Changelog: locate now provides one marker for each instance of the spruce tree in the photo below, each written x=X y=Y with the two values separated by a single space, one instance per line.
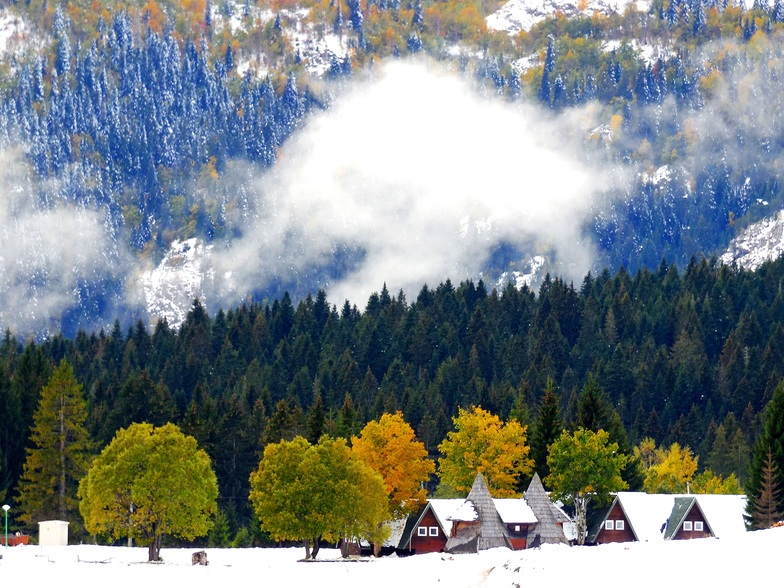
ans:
x=771 y=441
x=766 y=509
x=546 y=429
x=60 y=453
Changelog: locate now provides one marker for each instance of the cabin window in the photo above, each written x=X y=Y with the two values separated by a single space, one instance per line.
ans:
x=434 y=531
x=687 y=525
x=619 y=525
x=422 y=532
x=698 y=525
x=609 y=525
x=517 y=528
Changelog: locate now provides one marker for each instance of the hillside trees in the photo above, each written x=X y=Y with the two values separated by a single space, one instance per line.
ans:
x=304 y=492
x=147 y=483
x=482 y=442
x=60 y=453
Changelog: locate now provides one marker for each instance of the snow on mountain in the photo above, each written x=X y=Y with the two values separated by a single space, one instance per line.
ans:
x=170 y=288
x=521 y=15
x=757 y=244
x=529 y=276
x=15 y=35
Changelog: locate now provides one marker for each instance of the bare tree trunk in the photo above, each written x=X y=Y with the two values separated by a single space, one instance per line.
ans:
x=307 y=548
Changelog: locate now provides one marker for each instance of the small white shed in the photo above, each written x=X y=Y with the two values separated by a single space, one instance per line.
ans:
x=53 y=533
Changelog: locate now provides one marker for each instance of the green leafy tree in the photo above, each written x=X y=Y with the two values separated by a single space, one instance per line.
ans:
x=584 y=467
x=482 y=442
x=60 y=453
x=147 y=483
x=304 y=492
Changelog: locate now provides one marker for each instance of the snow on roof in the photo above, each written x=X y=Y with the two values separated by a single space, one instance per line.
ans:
x=443 y=508
x=724 y=513
x=465 y=512
x=511 y=510
x=648 y=513
x=514 y=510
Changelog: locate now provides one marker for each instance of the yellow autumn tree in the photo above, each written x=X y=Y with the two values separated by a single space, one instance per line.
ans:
x=482 y=442
x=707 y=482
x=672 y=472
x=389 y=446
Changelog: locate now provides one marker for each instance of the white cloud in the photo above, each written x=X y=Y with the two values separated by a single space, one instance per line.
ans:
x=400 y=168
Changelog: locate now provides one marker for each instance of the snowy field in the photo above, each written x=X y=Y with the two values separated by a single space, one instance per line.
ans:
x=748 y=560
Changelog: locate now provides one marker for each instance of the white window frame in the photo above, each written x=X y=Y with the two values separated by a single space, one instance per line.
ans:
x=517 y=528
x=698 y=526
x=620 y=525
x=687 y=525
x=609 y=525
x=421 y=531
x=433 y=531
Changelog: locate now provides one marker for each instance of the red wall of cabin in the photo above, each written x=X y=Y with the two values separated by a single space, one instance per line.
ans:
x=615 y=536
x=694 y=515
x=428 y=544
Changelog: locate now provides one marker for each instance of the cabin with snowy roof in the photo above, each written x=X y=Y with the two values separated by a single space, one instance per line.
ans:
x=460 y=525
x=427 y=530
x=637 y=516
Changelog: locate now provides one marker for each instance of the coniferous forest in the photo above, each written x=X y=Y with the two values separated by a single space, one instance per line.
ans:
x=691 y=357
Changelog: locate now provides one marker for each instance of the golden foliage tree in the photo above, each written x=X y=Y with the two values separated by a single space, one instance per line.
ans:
x=672 y=472
x=708 y=482
x=60 y=454
x=391 y=448
x=482 y=442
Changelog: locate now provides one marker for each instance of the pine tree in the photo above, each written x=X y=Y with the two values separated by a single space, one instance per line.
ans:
x=546 y=429
x=549 y=66
x=60 y=453
x=766 y=508
x=771 y=441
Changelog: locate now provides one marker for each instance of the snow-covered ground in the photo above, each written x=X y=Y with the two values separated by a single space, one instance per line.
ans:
x=749 y=560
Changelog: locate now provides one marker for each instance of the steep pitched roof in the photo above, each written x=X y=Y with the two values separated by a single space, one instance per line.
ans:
x=681 y=507
x=548 y=530
x=654 y=517
x=486 y=530
x=442 y=509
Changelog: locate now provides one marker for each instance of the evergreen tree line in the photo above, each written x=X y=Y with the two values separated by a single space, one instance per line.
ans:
x=689 y=357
